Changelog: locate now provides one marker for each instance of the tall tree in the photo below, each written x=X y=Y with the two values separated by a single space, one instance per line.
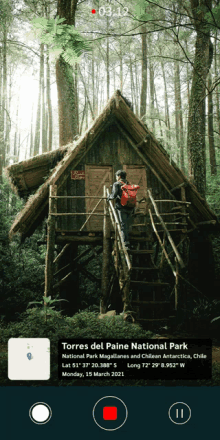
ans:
x=196 y=120
x=49 y=105
x=212 y=157
x=39 y=107
x=143 y=72
x=65 y=81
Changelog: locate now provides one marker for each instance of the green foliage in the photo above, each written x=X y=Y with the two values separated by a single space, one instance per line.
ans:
x=5 y=12
x=213 y=18
x=206 y=310
x=46 y=306
x=213 y=193
x=21 y=266
x=62 y=39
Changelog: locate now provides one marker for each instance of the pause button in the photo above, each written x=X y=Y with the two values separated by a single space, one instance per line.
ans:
x=179 y=413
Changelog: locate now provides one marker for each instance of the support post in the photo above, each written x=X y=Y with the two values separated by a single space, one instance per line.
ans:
x=49 y=266
x=126 y=295
x=106 y=256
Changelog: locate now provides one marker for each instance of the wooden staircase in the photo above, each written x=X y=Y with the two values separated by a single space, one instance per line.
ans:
x=144 y=294
x=148 y=292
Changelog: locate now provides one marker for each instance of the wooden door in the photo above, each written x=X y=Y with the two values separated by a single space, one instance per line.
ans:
x=95 y=178
x=136 y=175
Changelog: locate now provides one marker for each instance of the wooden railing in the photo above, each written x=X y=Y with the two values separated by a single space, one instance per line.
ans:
x=122 y=260
x=166 y=231
x=178 y=259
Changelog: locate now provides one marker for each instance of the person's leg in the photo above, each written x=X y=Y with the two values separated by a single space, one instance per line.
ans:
x=126 y=229
x=128 y=222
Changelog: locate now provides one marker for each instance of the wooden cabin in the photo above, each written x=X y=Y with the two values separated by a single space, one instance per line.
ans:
x=70 y=185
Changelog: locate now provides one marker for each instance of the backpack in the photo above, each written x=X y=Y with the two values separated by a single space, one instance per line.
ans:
x=128 y=197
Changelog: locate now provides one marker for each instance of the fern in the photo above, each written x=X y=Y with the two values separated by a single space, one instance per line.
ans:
x=62 y=39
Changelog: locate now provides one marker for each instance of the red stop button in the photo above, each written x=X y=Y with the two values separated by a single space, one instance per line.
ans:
x=110 y=413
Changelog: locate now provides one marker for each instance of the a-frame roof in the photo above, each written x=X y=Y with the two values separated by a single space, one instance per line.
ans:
x=146 y=146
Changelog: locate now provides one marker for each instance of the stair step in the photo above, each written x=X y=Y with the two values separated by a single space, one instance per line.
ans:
x=145 y=251
x=150 y=302
x=138 y=224
x=144 y=268
x=150 y=283
x=152 y=319
x=136 y=238
x=172 y=230
x=144 y=239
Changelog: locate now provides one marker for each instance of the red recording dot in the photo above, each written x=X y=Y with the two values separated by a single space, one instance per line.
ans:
x=93 y=11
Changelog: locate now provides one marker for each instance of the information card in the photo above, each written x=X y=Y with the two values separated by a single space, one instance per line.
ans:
x=135 y=359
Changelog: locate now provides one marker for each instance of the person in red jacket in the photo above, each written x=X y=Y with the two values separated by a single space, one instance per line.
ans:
x=124 y=212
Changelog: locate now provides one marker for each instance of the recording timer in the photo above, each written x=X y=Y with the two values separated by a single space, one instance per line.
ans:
x=108 y=11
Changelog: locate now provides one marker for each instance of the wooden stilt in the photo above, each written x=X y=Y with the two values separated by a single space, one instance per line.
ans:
x=50 y=242
x=106 y=257
x=126 y=295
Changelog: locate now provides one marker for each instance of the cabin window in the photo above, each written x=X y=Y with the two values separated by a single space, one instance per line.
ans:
x=95 y=178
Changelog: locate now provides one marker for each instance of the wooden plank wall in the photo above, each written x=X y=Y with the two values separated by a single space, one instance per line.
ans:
x=110 y=150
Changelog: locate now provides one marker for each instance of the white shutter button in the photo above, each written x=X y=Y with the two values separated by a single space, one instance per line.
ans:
x=40 y=413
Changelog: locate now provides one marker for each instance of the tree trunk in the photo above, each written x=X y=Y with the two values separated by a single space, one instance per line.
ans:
x=210 y=129
x=49 y=105
x=152 y=113
x=1 y=122
x=167 y=116
x=76 y=97
x=44 y=123
x=65 y=82
x=152 y=88
x=217 y=87
x=196 y=120
x=31 y=134
x=38 y=117
x=143 y=106
x=15 y=152
x=137 y=87
x=158 y=112
x=178 y=101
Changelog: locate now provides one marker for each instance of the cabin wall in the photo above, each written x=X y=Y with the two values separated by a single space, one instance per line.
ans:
x=111 y=149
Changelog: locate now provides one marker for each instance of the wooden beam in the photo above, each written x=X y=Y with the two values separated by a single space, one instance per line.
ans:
x=183 y=184
x=210 y=222
x=75 y=213
x=88 y=274
x=62 y=281
x=96 y=206
x=82 y=239
x=61 y=253
x=106 y=257
x=49 y=266
x=115 y=220
x=162 y=245
x=167 y=232
x=176 y=201
x=77 y=197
